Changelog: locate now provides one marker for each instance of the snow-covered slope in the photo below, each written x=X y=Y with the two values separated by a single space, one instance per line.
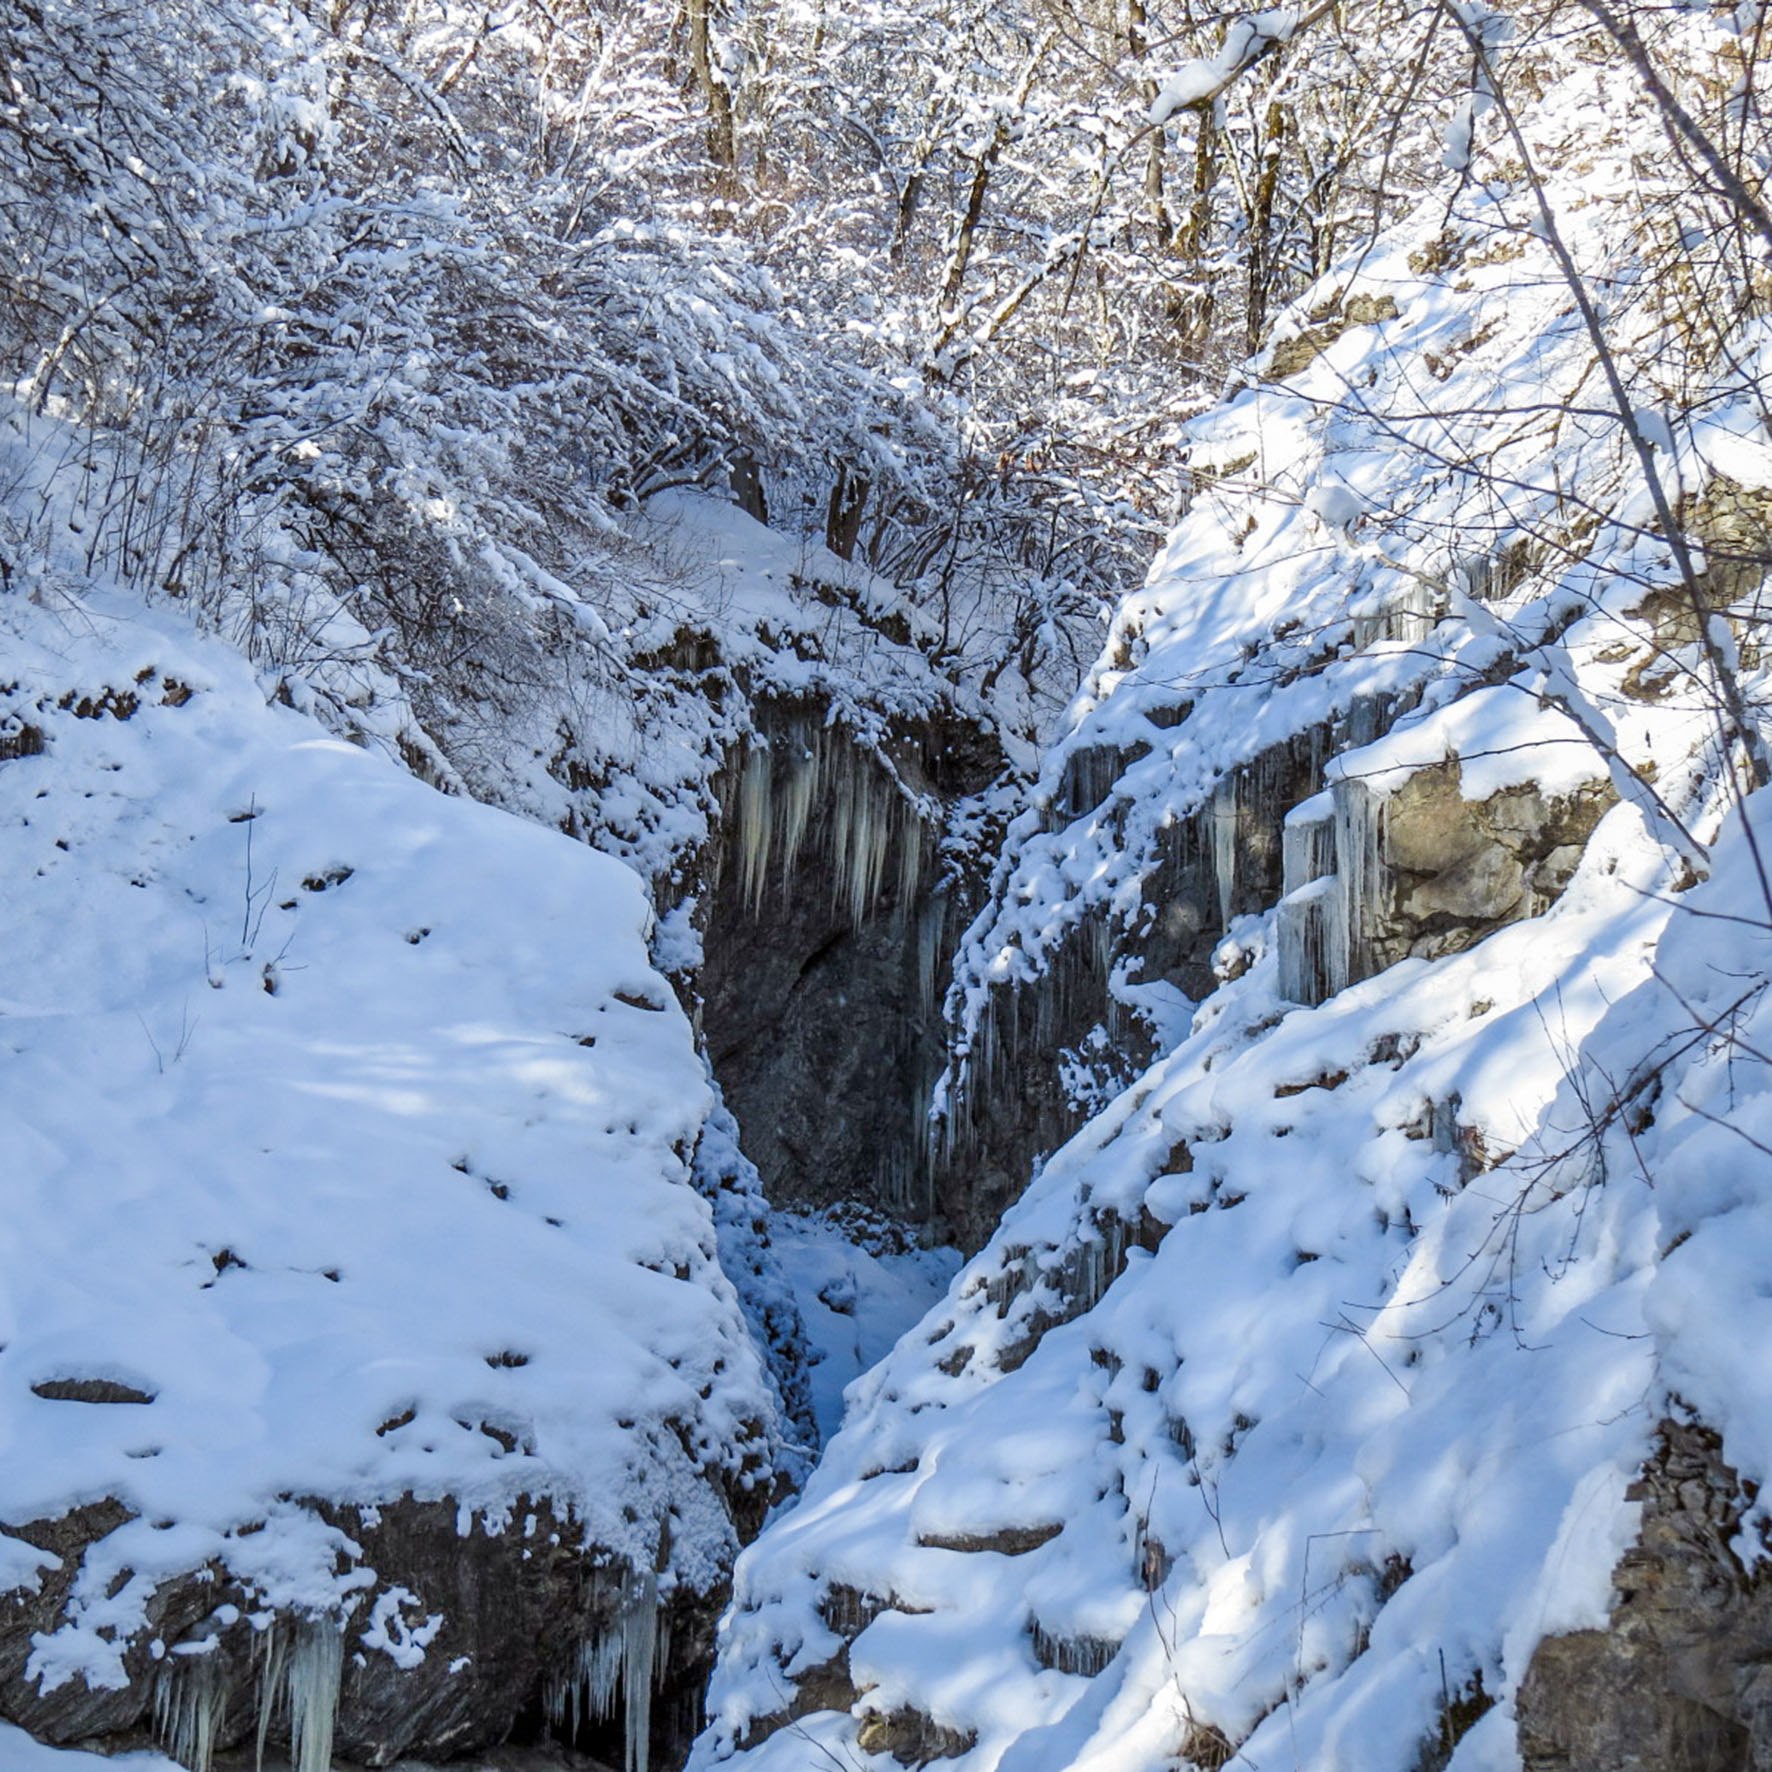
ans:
x=1299 y=1398
x=348 y=1134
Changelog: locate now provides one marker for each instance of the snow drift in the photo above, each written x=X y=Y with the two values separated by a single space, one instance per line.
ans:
x=350 y=1225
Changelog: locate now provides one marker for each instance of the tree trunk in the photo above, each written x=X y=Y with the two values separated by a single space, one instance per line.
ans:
x=710 y=81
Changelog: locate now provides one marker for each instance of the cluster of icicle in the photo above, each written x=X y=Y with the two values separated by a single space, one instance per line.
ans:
x=619 y=1665
x=1333 y=862
x=1332 y=884
x=819 y=783
x=1087 y=1656
x=299 y=1667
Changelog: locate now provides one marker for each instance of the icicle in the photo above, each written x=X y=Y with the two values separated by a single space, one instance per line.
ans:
x=1085 y=1655
x=794 y=803
x=1092 y=1282
x=1310 y=931
x=639 y=1650
x=315 y=1666
x=190 y=1701
x=930 y=922
x=271 y=1650
x=1307 y=843
x=589 y=1690
x=822 y=786
x=910 y=854
x=1222 y=817
x=299 y=1680
x=1089 y=777
x=755 y=791
x=622 y=1663
x=1365 y=720
x=860 y=833
x=1415 y=612
x=1311 y=941
x=1359 y=867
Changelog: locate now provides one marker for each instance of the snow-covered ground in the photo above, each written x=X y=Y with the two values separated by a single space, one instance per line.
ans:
x=1335 y=1427
x=860 y=1284
x=348 y=1133
x=20 y=1752
x=1299 y=1396
x=349 y=1129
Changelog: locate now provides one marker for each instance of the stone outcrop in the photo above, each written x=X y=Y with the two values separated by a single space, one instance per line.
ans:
x=1681 y=1678
x=912 y=1738
x=1011 y=1105
x=464 y=1632
x=1454 y=869
x=1421 y=871
x=830 y=926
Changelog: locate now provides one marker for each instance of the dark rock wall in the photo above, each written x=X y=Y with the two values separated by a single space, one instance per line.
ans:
x=1011 y=1105
x=522 y=1608
x=830 y=928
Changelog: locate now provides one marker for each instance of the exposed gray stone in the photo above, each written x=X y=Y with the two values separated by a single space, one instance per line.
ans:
x=1678 y=1681
x=824 y=1028
x=1453 y=870
x=912 y=1738
x=1483 y=887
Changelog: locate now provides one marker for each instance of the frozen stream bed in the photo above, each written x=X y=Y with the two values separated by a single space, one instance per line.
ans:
x=861 y=1281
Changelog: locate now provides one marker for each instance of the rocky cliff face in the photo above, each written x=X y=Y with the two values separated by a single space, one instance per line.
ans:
x=395 y=1325
x=1677 y=1678
x=841 y=890
x=1359 y=1126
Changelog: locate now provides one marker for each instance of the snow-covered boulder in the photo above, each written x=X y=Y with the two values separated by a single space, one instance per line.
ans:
x=363 y=1343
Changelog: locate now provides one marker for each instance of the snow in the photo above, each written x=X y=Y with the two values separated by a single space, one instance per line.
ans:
x=1336 y=1362
x=1422 y=1258
x=353 y=1118
x=1247 y=37
x=23 y=1753
x=357 y=1148
x=860 y=1285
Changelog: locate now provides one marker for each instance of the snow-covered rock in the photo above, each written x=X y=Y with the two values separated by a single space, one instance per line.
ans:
x=364 y=1339
x=1297 y=1405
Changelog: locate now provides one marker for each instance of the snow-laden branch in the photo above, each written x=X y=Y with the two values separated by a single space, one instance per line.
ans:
x=1246 y=41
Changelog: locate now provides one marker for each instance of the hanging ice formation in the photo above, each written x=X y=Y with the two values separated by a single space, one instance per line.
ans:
x=1031 y=1017
x=190 y=1703
x=1084 y=1655
x=300 y=1665
x=1334 y=884
x=1311 y=927
x=1406 y=616
x=1090 y=776
x=299 y=1668
x=820 y=783
x=1359 y=866
x=620 y=1662
x=1223 y=822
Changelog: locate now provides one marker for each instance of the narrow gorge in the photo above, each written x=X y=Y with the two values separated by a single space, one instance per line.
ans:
x=884 y=887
